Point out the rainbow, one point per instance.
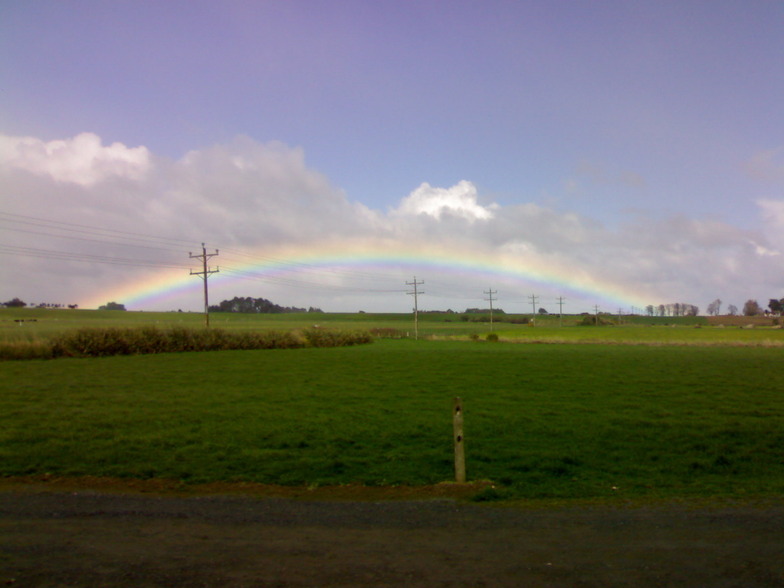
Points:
(389, 261)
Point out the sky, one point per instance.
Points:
(560, 155)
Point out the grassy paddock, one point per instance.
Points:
(36, 326)
(541, 420)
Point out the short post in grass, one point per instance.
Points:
(457, 422)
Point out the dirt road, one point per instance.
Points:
(89, 538)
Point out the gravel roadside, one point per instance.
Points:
(89, 538)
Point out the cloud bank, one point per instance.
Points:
(81, 219)
(81, 160)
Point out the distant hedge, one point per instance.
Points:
(94, 342)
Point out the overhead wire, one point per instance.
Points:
(353, 280)
(85, 239)
(104, 236)
(84, 257)
(87, 229)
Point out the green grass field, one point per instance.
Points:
(701, 418)
(39, 324)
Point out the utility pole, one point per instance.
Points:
(560, 310)
(596, 314)
(416, 294)
(490, 293)
(204, 274)
(534, 299)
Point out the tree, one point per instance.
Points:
(253, 305)
(776, 306)
(732, 310)
(112, 306)
(15, 303)
(649, 310)
(714, 308)
(543, 311)
(678, 309)
(751, 308)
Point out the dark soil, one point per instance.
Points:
(53, 536)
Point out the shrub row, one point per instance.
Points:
(145, 340)
(26, 350)
(327, 338)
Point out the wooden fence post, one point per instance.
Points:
(457, 421)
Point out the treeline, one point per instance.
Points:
(750, 308)
(673, 309)
(256, 305)
(17, 303)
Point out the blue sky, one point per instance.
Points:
(637, 117)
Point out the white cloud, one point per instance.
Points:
(763, 251)
(82, 160)
(253, 199)
(461, 200)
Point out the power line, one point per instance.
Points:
(74, 238)
(85, 229)
(339, 277)
(350, 282)
(83, 257)
(80, 232)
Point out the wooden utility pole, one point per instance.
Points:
(560, 310)
(416, 294)
(204, 274)
(534, 299)
(490, 293)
